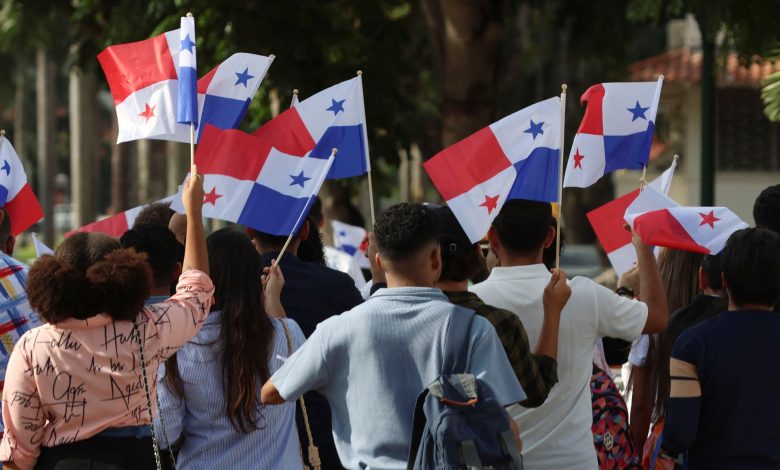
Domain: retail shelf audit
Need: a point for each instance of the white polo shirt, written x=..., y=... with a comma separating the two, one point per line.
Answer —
x=557, y=435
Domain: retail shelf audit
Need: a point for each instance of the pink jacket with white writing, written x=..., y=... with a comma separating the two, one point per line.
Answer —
x=70, y=381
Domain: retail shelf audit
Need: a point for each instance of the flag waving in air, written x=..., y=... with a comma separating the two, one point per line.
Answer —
x=514, y=158
x=16, y=195
x=187, y=112
x=117, y=224
x=607, y=222
x=144, y=81
x=698, y=229
x=254, y=184
x=616, y=131
x=226, y=92
x=333, y=118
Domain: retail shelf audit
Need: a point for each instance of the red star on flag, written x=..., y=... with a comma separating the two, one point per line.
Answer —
x=578, y=159
x=148, y=112
x=211, y=197
x=491, y=202
x=708, y=219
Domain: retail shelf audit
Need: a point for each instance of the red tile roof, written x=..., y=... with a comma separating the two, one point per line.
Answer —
x=684, y=65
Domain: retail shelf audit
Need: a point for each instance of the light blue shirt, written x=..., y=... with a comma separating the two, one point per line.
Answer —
x=373, y=361
x=210, y=441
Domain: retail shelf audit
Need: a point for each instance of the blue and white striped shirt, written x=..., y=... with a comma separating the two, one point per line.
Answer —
x=210, y=441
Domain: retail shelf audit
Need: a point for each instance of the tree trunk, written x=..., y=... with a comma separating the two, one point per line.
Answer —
x=118, y=172
x=178, y=163
x=82, y=92
x=47, y=159
x=467, y=37
x=707, y=119
x=18, y=136
x=144, y=148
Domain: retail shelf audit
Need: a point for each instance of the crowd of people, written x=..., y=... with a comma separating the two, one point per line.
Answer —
x=166, y=348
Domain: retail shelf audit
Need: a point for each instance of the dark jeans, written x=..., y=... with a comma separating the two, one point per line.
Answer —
x=99, y=453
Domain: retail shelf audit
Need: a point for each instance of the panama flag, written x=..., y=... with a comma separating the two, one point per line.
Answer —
x=41, y=249
x=616, y=131
x=117, y=224
x=16, y=195
x=698, y=229
x=187, y=112
x=348, y=238
x=607, y=222
x=333, y=118
x=514, y=158
x=253, y=184
x=144, y=83
x=226, y=92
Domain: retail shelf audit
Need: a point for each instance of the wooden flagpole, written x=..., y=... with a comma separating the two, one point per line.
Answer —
x=192, y=135
x=301, y=216
x=564, y=87
x=368, y=166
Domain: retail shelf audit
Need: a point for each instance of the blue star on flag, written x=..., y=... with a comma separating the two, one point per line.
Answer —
x=6, y=167
x=343, y=234
x=535, y=129
x=638, y=112
x=242, y=78
x=299, y=180
x=187, y=44
x=336, y=107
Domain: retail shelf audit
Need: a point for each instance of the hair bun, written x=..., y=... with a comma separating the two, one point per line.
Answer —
x=120, y=283
x=57, y=291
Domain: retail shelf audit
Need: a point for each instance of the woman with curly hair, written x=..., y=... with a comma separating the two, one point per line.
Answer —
x=77, y=388
x=210, y=395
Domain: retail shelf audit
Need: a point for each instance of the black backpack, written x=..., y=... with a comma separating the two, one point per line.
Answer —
x=458, y=424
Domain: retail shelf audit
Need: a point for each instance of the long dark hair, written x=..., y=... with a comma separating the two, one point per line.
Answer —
x=680, y=273
x=247, y=332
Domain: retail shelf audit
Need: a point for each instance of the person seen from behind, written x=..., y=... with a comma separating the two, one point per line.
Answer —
x=205, y=389
x=76, y=387
x=558, y=433
x=372, y=362
x=536, y=371
x=725, y=381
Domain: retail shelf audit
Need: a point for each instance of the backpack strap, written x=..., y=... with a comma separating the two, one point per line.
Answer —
x=418, y=429
x=457, y=348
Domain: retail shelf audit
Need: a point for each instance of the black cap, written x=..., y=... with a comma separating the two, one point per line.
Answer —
x=453, y=238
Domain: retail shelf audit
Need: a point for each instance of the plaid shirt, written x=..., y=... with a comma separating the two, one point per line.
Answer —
x=536, y=373
x=16, y=316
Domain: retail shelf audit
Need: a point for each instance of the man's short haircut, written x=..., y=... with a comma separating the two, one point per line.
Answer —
x=751, y=265
x=157, y=213
x=160, y=246
x=522, y=225
x=405, y=228
x=766, y=210
x=711, y=267
x=460, y=259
